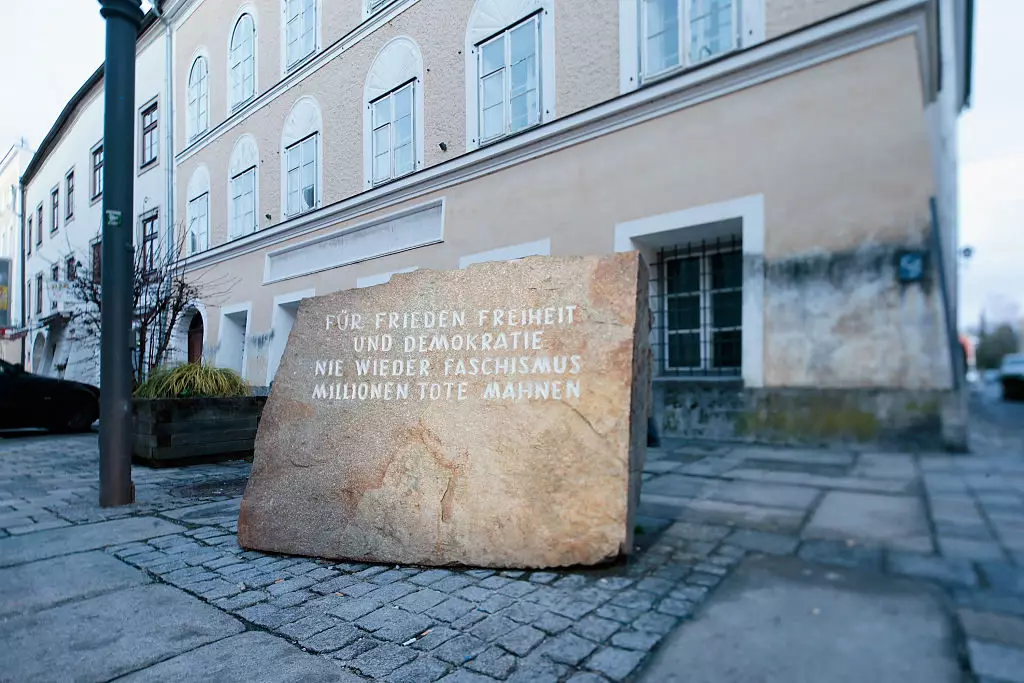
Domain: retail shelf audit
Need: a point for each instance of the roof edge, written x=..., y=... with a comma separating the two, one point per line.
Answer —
x=54, y=134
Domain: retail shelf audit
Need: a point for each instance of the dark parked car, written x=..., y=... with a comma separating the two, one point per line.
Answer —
x=1011, y=376
x=28, y=400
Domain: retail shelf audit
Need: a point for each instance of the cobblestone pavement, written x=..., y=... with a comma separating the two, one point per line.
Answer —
x=955, y=521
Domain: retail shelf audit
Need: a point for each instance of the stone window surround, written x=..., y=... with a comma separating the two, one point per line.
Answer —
x=398, y=63
x=286, y=67
x=278, y=323
x=195, y=127
x=245, y=156
x=198, y=185
x=304, y=120
x=248, y=9
x=645, y=234
x=752, y=19
x=490, y=17
x=222, y=352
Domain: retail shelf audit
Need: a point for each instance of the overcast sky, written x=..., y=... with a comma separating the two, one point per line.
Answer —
x=51, y=46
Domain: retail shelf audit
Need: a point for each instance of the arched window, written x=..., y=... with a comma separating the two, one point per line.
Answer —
x=393, y=121
x=243, y=60
x=198, y=98
x=243, y=188
x=300, y=158
x=510, y=68
x=198, y=214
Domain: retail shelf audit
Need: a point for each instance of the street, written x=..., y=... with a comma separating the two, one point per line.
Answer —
x=777, y=554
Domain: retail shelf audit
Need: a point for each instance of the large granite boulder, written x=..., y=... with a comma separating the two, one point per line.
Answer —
x=494, y=416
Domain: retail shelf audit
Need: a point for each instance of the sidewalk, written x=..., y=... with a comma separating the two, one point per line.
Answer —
x=907, y=564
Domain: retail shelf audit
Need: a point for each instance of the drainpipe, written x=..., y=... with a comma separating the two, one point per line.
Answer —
x=21, y=272
x=171, y=232
x=169, y=125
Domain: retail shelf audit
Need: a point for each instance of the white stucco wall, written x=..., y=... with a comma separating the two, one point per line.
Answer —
x=73, y=151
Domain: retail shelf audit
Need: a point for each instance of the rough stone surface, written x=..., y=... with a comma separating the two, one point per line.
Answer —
x=501, y=477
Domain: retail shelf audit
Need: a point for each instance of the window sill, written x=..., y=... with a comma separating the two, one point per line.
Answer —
x=505, y=136
x=241, y=105
x=148, y=166
x=645, y=80
x=699, y=379
x=300, y=61
x=95, y=198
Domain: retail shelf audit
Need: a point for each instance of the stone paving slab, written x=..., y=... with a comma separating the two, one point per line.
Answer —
x=55, y=542
x=892, y=521
x=108, y=636
x=251, y=657
x=38, y=585
x=783, y=621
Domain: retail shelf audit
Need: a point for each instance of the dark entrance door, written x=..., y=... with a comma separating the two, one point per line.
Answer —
x=195, y=339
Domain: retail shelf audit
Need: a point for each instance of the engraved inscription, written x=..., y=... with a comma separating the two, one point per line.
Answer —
x=450, y=355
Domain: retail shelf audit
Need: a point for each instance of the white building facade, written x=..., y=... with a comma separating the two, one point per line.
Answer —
x=12, y=163
x=776, y=161
x=62, y=225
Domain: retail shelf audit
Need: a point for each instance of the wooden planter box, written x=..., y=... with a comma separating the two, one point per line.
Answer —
x=190, y=431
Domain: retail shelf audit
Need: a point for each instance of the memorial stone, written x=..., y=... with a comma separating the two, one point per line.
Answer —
x=494, y=416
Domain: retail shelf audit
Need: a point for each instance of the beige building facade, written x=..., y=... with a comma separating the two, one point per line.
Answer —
x=787, y=168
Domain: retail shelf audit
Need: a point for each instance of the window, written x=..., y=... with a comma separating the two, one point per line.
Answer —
x=243, y=203
x=97, y=262
x=198, y=99
x=374, y=5
x=54, y=278
x=39, y=225
x=150, y=145
x=54, y=209
x=509, y=74
x=199, y=223
x=69, y=196
x=243, y=61
x=700, y=308
x=678, y=33
x=300, y=30
x=39, y=293
x=97, y=171
x=394, y=152
x=28, y=235
x=70, y=268
x=300, y=160
x=28, y=295
x=150, y=245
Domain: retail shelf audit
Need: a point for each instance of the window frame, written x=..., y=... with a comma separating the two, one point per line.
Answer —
x=409, y=85
x=506, y=35
x=54, y=277
x=149, y=130
x=683, y=35
x=314, y=138
x=28, y=231
x=372, y=7
x=39, y=225
x=191, y=219
x=233, y=232
x=39, y=293
x=291, y=62
x=96, y=261
x=69, y=196
x=150, y=252
x=70, y=268
x=96, y=171
x=197, y=99
x=54, y=209
x=233, y=103
x=706, y=327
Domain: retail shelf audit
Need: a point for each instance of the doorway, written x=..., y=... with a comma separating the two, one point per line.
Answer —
x=195, y=338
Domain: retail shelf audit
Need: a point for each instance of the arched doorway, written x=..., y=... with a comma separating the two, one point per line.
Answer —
x=195, y=338
x=35, y=363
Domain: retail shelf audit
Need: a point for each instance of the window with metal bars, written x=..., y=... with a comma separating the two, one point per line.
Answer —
x=698, y=309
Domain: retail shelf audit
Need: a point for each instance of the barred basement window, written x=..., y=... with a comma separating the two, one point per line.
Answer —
x=698, y=307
